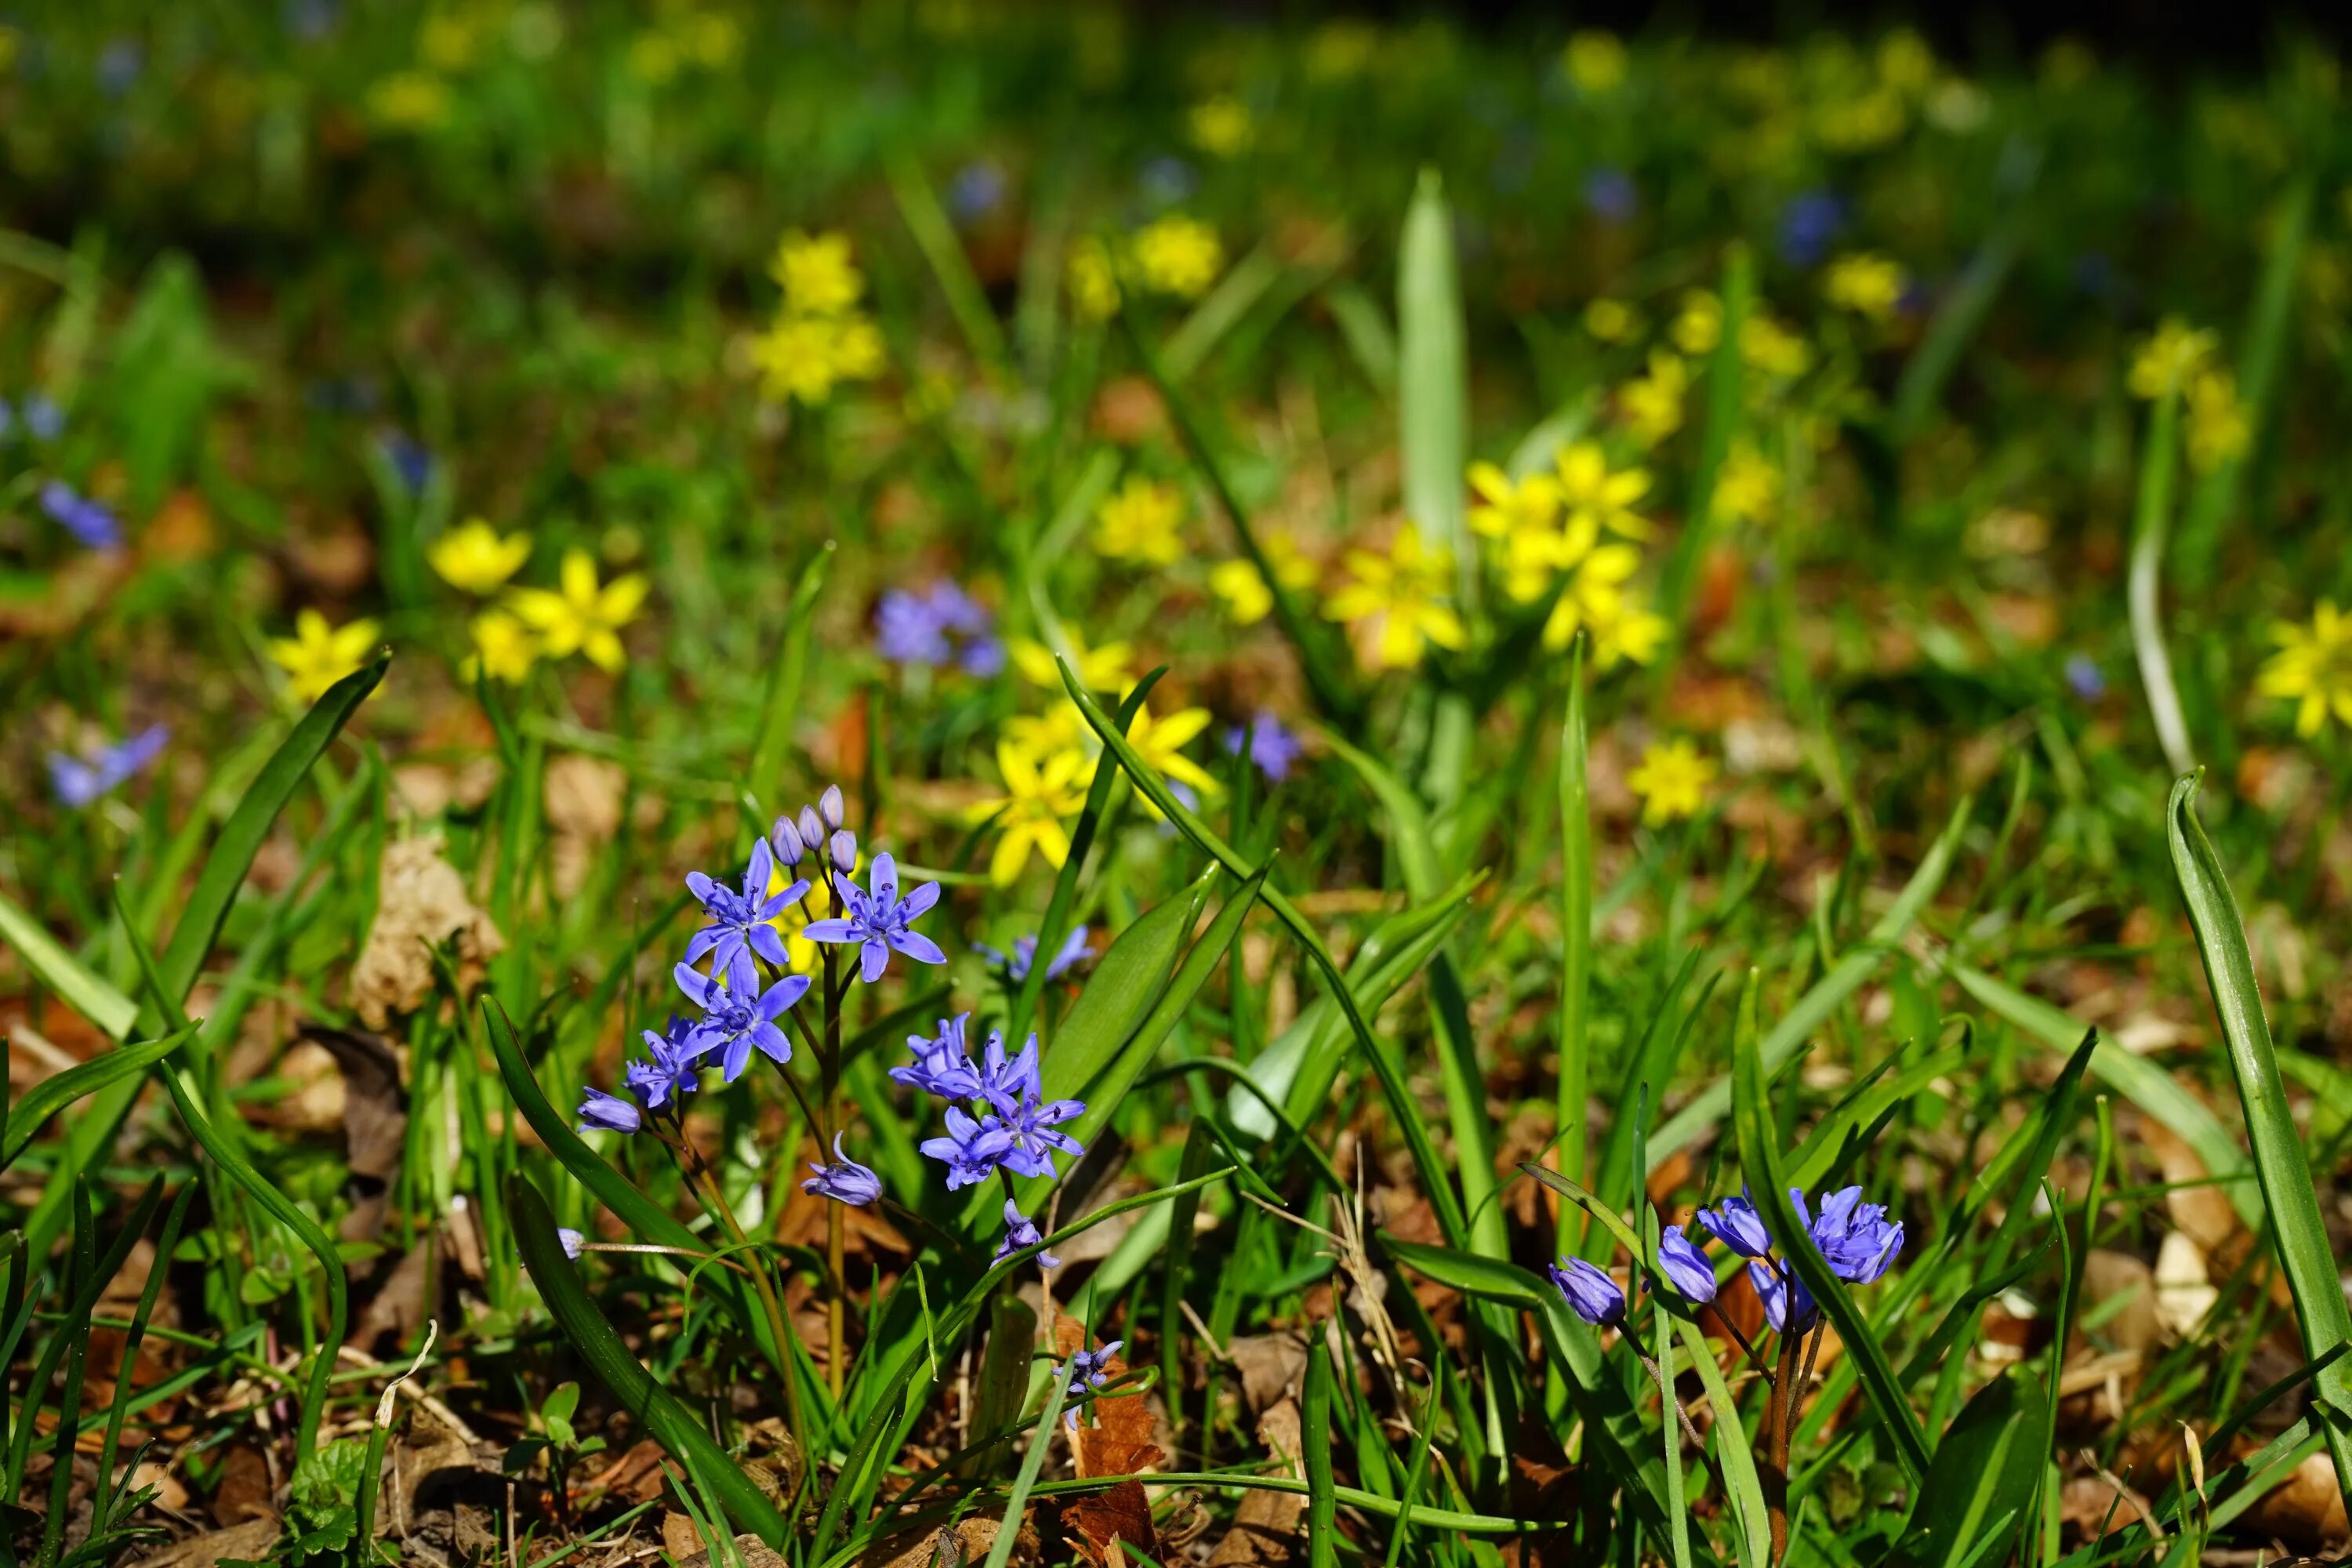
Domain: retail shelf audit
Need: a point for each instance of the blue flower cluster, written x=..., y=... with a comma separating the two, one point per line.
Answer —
x=89, y=521
x=1016, y=1128
x=942, y=624
x=35, y=414
x=1274, y=749
x=82, y=782
x=1856, y=1238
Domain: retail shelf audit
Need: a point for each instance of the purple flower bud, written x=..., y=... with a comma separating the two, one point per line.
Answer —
x=844, y=1180
x=572, y=1241
x=829, y=806
x=1021, y=1231
x=1686, y=1266
x=1735, y=1223
x=1591, y=1294
x=786, y=840
x=844, y=848
x=609, y=1112
x=813, y=828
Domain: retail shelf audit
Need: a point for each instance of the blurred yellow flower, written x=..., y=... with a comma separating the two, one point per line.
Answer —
x=1672, y=781
x=1103, y=668
x=2219, y=430
x=504, y=649
x=1609, y=321
x=1747, y=488
x=10, y=40
x=1060, y=728
x=319, y=655
x=1905, y=62
x=2313, y=667
x=1094, y=281
x=409, y=100
x=1699, y=326
x=1591, y=492
x=1652, y=405
x=475, y=559
x=805, y=357
x=1342, y=48
x=1626, y=630
x=1770, y=347
x=653, y=58
x=1140, y=522
x=1178, y=255
x=1595, y=596
x=1594, y=59
x=817, y=274
x=2165, y=359
x=1397, y=600
x=1504, y=508
x=580, y=616
x=1222, y=126
x=451, y=41
x=1160, y=741
x=1865, y=283
x=1031, y=813
x=712, y=37
x=1238, y=582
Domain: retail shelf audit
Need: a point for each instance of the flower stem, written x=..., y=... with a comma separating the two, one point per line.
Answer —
x=837, y=1324
x=1781, y=1417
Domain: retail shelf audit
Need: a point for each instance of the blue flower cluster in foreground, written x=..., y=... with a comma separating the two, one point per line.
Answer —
x=997, y=1118
x=1856, y=1238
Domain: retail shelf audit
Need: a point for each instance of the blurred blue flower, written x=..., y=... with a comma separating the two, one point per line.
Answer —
x=310, y=19
x=1021, y=1231
x=1016, y=964
x=1808, y=225
x=86, y=520
x=977, y=190
x=572, y=1241
x=1685, y=1264
x=1735, y=1223
x=739, y=1016
x=1087, y=1369
x=1167, y=179
x=740, y=921
x=1589, y=1292
x=877, y=921
x=1273, y=747
x=118, y=65
x=609, y=1112
x=844, y=1180
x=943, y=1064
x=2085, y=678
x=939, y=624
x=81, y=782
x=409, y=457
x=1609, y=194
x=44, y=420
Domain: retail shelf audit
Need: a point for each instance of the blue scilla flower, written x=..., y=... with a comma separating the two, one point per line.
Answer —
x=44, y=420
x=1023, y=1138
x=1087, y=1369
x=671, y=1068
x=877, y=921
x=609, y=1112
x=1021, y=1231
x=960, y=1151
x=1808, y=224
x=1855, y=1238
x=1005, y=1082
x=1789, y=1306
x=740, y=920
x=86, y=520
x=739, y=1016
x=1591, y=1294
x=1016, y=964
x=844, y=1180
x=943, y=1064
x=1274, y=749
x=81, y=782
x=1684, y=1264
x=1735, y=1223
x=1609, y=194
x=907, y=632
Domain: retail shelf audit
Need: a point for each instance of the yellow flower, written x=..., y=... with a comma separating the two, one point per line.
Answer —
x=1237, y=582
x=653, y=57
x=1867, y=284
x=2165, y=361
x=1590, y=492
x=1747, y=486
x=1103, y=668
x=1699, y=326
x=2218, y=431
x=1652, y=405
x=1595, y=596
x=1141, y=523
x=1094, y=281
x=817, y=274
x=1595, y=59
x=1223, y=127
x=1771, y=348
x=1161, y=742
x=712, y=38
x=475, y=559
x=409, y=100
x=1397, y=600
x=2312, y=666
x=1627, y=630
x=1609, y=321
x=1060, y=728
x=805, y=357
x=450, y=42
x=1037, y=798
x=1505, y=508
x=317, y=654
x=582, y=617
x=1178, y=255
x=1672, y=781
x=504, y=649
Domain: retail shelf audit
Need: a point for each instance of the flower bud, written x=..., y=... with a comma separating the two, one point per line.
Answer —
x=845, y=851
x=813, y=828
x=829, y=803
x=786, y=840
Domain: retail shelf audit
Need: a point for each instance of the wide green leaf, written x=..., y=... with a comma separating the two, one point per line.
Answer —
x=52, y=963
x=1986, y=1474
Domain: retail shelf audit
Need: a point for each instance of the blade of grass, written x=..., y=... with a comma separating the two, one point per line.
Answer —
x=57, y=968
x=1322, y=1504
x=784, y=678
x=1433, y=381
x=1723, y=415
x=1575, y=936
x=919, y=205
x=2289, y=1193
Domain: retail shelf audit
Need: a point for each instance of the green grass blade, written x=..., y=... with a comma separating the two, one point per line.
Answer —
x=1575, y=936
x=1433, y=381
x=1322, y=1504
x=783, y=704
x=1723, y=416
x=1985, y=1473
x=53, y=1093
x=2289, y=1193
x=669, y=1422
x=1812, y=1009
x=919, y=205
x=1759, y=1160
x=86, y=993
x=1957, y=319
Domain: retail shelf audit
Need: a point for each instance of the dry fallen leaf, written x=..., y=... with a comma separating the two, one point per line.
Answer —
x=1115, y=1442
x=422, y=905
x=1266, y=1522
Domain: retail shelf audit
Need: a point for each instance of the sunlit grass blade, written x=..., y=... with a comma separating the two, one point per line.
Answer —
x=1433, y=380
x=2289, y=1195
x=86, y=993
x=919, y=205
x=2151, y=520
x=1575, y=934
x=782, y=704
